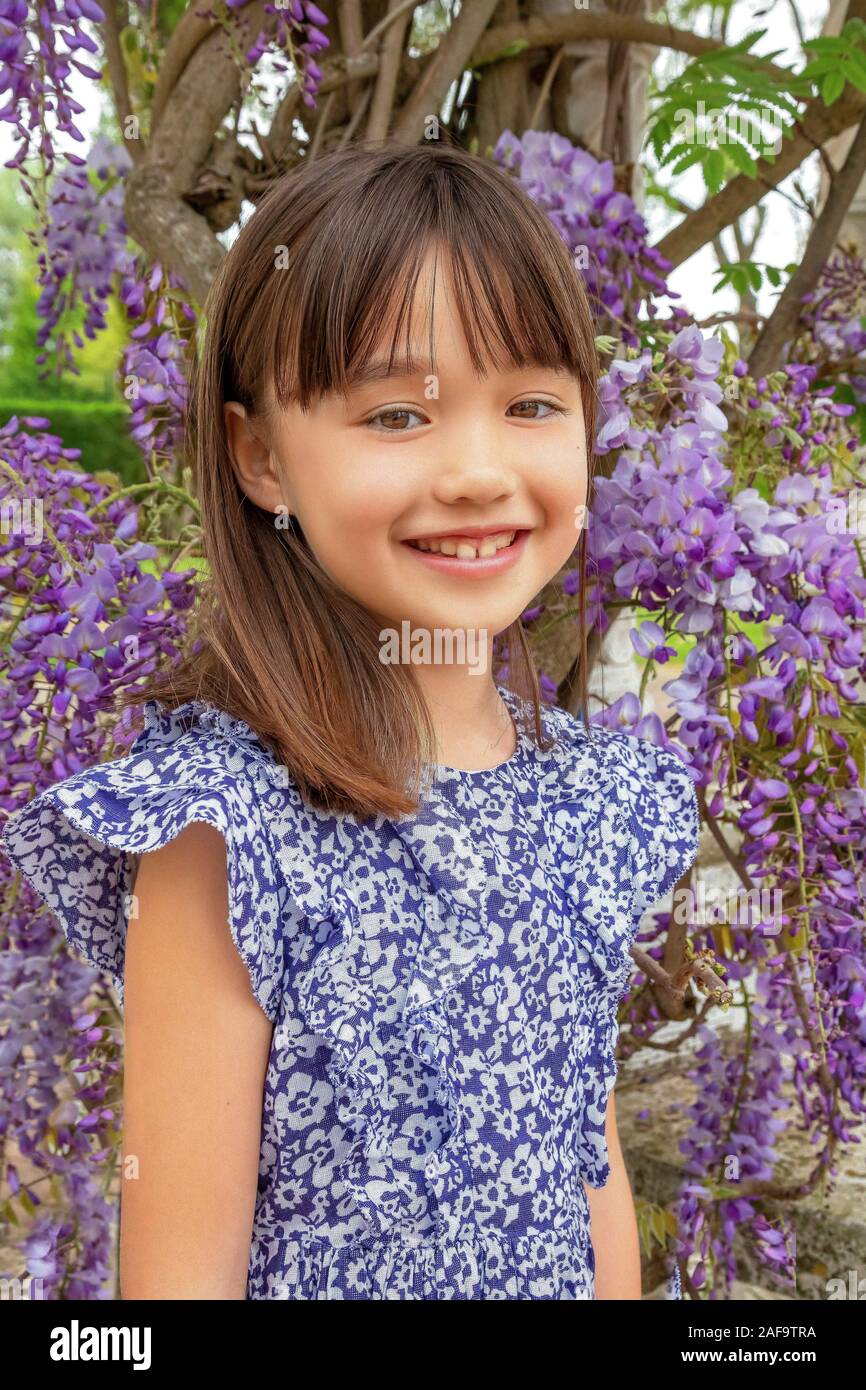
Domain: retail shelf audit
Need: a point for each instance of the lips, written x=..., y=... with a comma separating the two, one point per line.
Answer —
x=470, y=557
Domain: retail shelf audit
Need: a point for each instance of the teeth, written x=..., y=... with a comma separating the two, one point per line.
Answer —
x=465, y=549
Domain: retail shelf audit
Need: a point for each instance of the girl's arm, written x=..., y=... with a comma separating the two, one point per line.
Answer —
x=196, y=1053
x=614, y=1224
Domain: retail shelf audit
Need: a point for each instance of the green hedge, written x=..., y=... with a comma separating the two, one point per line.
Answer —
x=100, y=429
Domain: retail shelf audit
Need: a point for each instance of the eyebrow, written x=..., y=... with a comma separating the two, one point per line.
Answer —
x=379, y=369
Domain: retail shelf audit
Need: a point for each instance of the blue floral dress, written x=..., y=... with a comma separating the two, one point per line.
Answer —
x=443, y=987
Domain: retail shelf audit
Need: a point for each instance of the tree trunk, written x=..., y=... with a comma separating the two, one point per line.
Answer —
x=853, y=226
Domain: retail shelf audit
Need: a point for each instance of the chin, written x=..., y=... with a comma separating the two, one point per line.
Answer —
x=469, y=620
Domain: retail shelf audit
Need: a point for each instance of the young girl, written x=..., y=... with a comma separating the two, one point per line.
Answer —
x=391, y=1075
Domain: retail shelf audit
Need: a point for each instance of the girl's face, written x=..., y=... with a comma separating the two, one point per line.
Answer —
x=408, y=457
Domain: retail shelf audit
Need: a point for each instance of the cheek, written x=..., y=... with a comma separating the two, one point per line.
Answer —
x=362, y=529
x=562, y=492
x=562, y=495
x=349, y=526
x=347, y=487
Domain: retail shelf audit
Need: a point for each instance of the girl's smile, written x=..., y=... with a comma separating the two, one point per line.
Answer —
x=471, y=555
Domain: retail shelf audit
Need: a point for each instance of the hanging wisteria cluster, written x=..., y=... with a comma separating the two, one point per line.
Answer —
x=601, y=225
x=85, y=249
x=82, y=617
x=87, y=260
x=39, y=45
x=298, y=32
x=833, y=321
x=153, y=361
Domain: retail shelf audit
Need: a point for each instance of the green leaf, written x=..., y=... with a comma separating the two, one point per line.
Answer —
x=743, y=160
x=689, y=157
x=742, y=47
x=832, y=86
x=713, y=170
x=510, y=50
x=855, y=71
x=773, y=275
x=754, y=275
x=660, y=135
x=825, y=44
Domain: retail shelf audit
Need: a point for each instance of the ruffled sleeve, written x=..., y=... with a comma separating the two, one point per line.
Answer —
x=664, y=820
x=78, y=842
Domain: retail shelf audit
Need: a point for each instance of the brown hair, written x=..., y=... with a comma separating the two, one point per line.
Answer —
x=280, y=645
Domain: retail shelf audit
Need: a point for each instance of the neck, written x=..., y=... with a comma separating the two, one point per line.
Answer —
x=473, y=727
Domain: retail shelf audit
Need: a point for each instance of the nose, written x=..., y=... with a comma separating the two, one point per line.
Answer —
x=482, y=473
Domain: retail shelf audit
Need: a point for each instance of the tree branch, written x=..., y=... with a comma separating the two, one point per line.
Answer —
x=446, y=64
x=190, y=31
x=382, y=106
x=400, y=8
x=336, y=72
x=550, y=32
x=767, y=353
x=351, y=40
x=157, y=215
x=544, y=90
x=118, y=77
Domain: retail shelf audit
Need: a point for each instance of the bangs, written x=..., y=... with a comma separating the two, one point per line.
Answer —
x=520, y=299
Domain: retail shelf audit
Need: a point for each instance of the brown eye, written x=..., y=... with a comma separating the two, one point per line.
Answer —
x=395, y=413
x=557, y=409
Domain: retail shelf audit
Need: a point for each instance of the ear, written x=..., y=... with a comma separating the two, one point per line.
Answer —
x=252, y=459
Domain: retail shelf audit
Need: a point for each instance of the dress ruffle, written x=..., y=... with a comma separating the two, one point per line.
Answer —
x=635, y=804
x=78, y=841
x=161, y=725
x=622, y=812
x=455, y=881
x=472, y=1264
x=335, y=993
